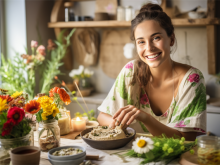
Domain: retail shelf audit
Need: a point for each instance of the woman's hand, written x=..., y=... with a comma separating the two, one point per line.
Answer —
x=126, y=115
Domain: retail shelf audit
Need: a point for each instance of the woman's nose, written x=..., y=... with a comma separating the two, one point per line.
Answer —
x=149, y=46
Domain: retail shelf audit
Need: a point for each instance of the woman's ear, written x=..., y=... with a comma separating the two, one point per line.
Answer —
x=172, y=39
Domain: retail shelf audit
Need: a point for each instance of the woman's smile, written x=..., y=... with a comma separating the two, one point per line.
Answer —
x=153, y=56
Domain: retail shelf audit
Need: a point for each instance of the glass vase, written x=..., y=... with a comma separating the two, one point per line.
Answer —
x=85, y=83
x=48, y=135
x=7, y=144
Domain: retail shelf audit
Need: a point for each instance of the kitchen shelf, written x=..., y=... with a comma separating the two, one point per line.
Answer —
x=115, y=24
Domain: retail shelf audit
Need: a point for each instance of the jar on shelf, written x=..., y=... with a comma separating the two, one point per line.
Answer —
x=64, y=122
x=208, y=150
x=120, y=13
x=7, y=144
x=48, y=135
x=128, y=13
x=69, y=12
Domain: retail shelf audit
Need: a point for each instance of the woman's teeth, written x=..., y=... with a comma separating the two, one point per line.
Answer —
x=153, y=56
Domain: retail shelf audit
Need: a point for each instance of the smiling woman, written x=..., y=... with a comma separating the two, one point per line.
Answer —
x=154, y=93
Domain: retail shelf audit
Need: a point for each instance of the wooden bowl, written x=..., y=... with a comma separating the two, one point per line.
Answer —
x=108, y=144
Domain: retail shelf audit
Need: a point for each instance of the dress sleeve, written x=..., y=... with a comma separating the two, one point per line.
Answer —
x=120, y=94
x=189, y=111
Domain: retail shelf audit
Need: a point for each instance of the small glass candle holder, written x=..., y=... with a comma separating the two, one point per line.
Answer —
x=78, y=124
x=208, y=150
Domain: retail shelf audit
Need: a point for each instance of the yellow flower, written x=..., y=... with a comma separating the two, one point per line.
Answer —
x=170, y=150
x=55, y=110
x=157, y=144
x=182, y=148
x=44, y=116
x=165, y=146
x=16, y=94
x=3, y=104
x=182, y=139
x=192, y=151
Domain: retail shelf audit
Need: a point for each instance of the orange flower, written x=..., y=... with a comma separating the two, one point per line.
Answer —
x=32, y=107
x=56, y=77
x=63, y=83
x=53, y=90
x=7, y=97
x=64, y=96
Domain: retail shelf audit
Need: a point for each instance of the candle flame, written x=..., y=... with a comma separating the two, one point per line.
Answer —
x=78, y=119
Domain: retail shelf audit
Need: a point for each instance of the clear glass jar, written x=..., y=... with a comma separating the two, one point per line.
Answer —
x=208, y=150
x=128, y=13
x=64, y=122
x=85, y=83
x=48, y=135
x=7, y=144
x=120, y=13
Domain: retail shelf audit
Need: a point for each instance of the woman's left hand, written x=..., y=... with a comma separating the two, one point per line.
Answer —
x=126, y=115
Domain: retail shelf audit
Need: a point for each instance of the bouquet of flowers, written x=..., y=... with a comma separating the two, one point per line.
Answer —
x=47, y=116
x=14, y=124
x=157, y=149
x=19, y=73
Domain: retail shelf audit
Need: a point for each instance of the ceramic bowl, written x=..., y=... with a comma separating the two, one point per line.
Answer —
x=70, y=157
x=108, y=144
x=68, y=162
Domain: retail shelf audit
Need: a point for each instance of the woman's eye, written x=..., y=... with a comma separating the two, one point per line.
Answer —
x=156, y=38
x=140, y=42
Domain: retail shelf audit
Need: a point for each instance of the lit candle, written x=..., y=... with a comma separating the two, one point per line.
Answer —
x=79, y=124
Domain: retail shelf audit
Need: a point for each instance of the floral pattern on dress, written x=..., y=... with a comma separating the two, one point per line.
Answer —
x=130, y=67
x=180, y=124
x=144, y=101
x=198, y=129
x=193, y=78
x=165, y=114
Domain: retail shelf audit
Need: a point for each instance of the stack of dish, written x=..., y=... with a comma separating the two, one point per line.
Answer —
x=75, y=159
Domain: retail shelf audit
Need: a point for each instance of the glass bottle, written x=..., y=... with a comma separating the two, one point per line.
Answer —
x=208, y=150
x=68, y=11
x=120, y=13
x=128, y=13
x=64, y=122
x=48, y=135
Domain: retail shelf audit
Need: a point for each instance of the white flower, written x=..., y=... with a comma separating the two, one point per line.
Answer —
x=142, y=145
x=75, y=72
x=88, y=72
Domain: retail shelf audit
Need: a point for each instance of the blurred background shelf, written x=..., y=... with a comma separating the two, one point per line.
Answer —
x=112, y=24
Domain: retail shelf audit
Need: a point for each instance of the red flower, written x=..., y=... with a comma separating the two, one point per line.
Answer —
x=144, y=99
x=7, y=97
x=7, y=127
x=15, y=115
x=32, y=107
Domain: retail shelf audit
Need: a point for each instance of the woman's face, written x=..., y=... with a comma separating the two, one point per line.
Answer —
x=153, y=44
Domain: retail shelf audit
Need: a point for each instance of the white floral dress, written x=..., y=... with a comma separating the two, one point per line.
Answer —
x=187, y=111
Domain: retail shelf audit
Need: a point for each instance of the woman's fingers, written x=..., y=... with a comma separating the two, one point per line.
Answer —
x=119, y=111
x=112, y=125
x=134, y=116
x=128, y=116
x=122, y=115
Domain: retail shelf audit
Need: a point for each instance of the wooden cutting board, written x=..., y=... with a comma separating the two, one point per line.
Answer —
x=189, y=159
x=112, y=58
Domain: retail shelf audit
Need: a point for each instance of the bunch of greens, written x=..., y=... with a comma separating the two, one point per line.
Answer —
x=20, y=76
x=157, y=149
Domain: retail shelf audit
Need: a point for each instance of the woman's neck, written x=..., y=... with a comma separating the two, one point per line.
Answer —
x=163, y=72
